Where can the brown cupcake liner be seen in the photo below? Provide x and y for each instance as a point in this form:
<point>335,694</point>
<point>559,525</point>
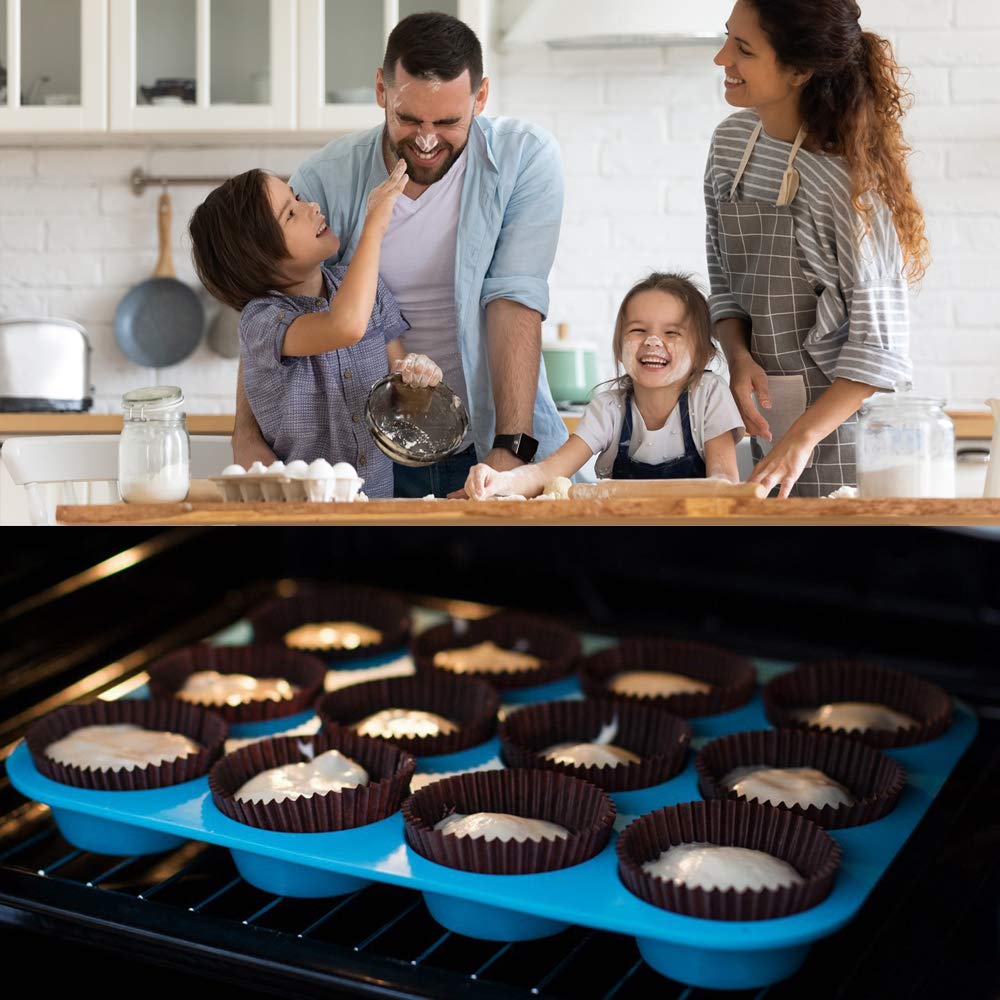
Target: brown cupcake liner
<point>555,645</point>
<point>814,684</point>
<point>471,704</point>
<point>302,670</point>
<point>583,809</point>
<point>166,715</point>
<point>732,676</point>
<point>875,780</point>
<point>657,737</point>
<point>316,602</point>
<point>812,852</point>
<point>389,770</point>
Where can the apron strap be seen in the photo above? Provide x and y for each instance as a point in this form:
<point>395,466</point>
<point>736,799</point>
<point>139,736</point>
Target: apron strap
<point>790,179</point>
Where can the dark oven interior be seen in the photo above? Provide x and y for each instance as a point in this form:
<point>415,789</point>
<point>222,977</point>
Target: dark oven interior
<point>84,613</point>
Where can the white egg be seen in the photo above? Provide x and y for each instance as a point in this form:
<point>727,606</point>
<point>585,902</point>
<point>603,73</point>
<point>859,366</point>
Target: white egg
<point>234,470</point>
<point>297,469</point>
<point>344,470</point>
<point>276,468</point>
<point>257,469</point>
<point>320,468</point>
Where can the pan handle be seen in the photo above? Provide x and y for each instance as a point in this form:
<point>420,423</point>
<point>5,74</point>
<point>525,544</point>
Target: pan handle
<point>165,265</point>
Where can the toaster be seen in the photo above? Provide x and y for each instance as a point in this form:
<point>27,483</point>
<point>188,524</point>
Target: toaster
<point>44,366</point>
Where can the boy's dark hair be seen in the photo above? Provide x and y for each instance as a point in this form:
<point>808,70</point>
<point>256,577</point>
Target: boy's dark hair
<point>237,242</point>
<point>434,45</point>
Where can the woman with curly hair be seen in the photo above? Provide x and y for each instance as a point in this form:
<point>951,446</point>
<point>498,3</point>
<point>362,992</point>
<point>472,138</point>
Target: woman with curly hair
<point>813,233</point>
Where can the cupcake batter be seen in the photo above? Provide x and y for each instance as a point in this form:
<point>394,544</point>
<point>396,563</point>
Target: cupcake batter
<point>393,723</point>
<point>329,772</point>
<point>708,866</point>
<point>656,683</point>
<point>485,658</point>
<point>332,635</point>
<point>850,715</point>
<point>119,747</point>
<point>209,687</point>
<point>790,786</point>
<point>500,826</point>
<point>589,754</point>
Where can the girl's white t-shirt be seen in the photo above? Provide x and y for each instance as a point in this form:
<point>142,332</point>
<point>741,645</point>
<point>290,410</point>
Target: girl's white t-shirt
<point>712,410</point>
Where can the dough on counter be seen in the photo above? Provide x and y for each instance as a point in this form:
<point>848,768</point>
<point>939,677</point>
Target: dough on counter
<point>508,496</point>
<point>708,866</point>
<point>332,635</point>
<point>589,754</point>
<point>852,715</point>
<point>329,772</point>
<point>656,683</point>
<point>485,658</point>
<point>790,786</point>
<point>843,493</point>
<point>500,826</point>
<point>394,723</point>
<point>557,489</point>
<point>119,747</point>
<point>209,687</point>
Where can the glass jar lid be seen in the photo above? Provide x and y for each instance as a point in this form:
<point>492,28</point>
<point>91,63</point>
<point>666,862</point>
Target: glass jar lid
<point>154,400</point>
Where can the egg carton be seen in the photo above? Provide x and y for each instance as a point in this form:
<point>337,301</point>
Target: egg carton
<point>254,488</point>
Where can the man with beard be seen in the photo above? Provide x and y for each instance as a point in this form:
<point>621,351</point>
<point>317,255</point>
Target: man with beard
<point>468,250</point>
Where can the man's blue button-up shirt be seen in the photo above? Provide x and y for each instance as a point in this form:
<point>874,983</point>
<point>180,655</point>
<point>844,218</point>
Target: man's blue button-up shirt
<point>508,229</point>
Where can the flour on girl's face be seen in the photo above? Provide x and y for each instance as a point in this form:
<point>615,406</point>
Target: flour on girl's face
<point>657,346</point>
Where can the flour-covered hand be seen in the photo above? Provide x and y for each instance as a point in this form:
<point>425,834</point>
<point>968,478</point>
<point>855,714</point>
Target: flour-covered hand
<point>484,482</point>
<point>418,371</point>
<point>783,464</point>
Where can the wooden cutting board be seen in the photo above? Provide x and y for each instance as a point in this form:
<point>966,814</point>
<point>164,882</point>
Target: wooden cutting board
<point>619,489</point>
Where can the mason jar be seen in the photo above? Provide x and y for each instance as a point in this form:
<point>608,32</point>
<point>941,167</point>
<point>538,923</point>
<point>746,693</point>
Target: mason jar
<point>154,452</point>
<point>905,447</point>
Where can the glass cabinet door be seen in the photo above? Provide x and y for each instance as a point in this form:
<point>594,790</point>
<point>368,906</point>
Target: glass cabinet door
<point>53,64</point>
<point>191,65</point>
<point>342,43</point>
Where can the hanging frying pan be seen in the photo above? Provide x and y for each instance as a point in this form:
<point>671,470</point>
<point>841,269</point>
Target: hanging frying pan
<point>161,321</point>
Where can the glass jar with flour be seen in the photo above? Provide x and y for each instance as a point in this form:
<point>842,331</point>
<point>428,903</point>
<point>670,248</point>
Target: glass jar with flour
<point>154,452</point>
<point>906,447</point>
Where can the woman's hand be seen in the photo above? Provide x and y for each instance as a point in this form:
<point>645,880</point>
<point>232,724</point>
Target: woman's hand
<point>746,377</point>
<point>382,199</point>
<point>418,370</point>
<point>783,464</point>
<point>484,482</point>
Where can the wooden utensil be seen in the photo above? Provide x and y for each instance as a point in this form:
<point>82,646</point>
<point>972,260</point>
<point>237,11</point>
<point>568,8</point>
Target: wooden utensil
<point>619,489</point>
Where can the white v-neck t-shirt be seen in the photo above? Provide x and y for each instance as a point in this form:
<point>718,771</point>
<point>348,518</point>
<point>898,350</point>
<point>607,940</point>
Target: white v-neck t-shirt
<point>418,265</point>
<point>711,408</point>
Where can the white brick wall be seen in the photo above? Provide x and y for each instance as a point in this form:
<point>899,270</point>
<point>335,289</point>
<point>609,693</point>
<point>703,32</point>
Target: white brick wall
<point>655,113</point>
<point>633,127</point>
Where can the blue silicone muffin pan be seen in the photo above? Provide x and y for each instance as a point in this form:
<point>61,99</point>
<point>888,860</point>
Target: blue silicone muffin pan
<point>706,953</point>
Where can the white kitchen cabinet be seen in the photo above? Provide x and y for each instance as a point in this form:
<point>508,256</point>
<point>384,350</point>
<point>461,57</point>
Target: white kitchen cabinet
<point>341,44</point>
<point>202,65</point>
<point>53,65</point>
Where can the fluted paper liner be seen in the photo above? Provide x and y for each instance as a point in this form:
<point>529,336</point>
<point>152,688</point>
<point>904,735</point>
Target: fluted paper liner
<point>732,676</point>
<point>303,671</point>
<point>873,779</point>
<point>471,704</point>
<point>812,852</point>
<point>316,602</point>
<point>389,772</point>
<point>164,715</point>
<point>658,738</point>
<point>582,808</point>
<point>815,684</point>
<point>555,645</point>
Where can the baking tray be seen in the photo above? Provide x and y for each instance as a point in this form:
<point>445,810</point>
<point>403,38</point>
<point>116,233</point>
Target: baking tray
<point>705,953</point>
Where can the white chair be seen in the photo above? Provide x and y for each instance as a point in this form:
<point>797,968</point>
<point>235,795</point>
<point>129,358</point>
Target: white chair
<point>76,461</point>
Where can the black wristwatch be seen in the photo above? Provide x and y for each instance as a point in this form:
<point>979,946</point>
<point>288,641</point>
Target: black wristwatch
<point>522,446</point>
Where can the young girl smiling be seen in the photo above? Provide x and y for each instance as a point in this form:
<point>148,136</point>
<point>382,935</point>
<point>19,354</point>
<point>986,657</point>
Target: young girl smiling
<point>313,339</point>
<point>664,418</point>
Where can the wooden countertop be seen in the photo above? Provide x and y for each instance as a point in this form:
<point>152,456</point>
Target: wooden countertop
<point>630,512</point>
<point>968,423</point>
